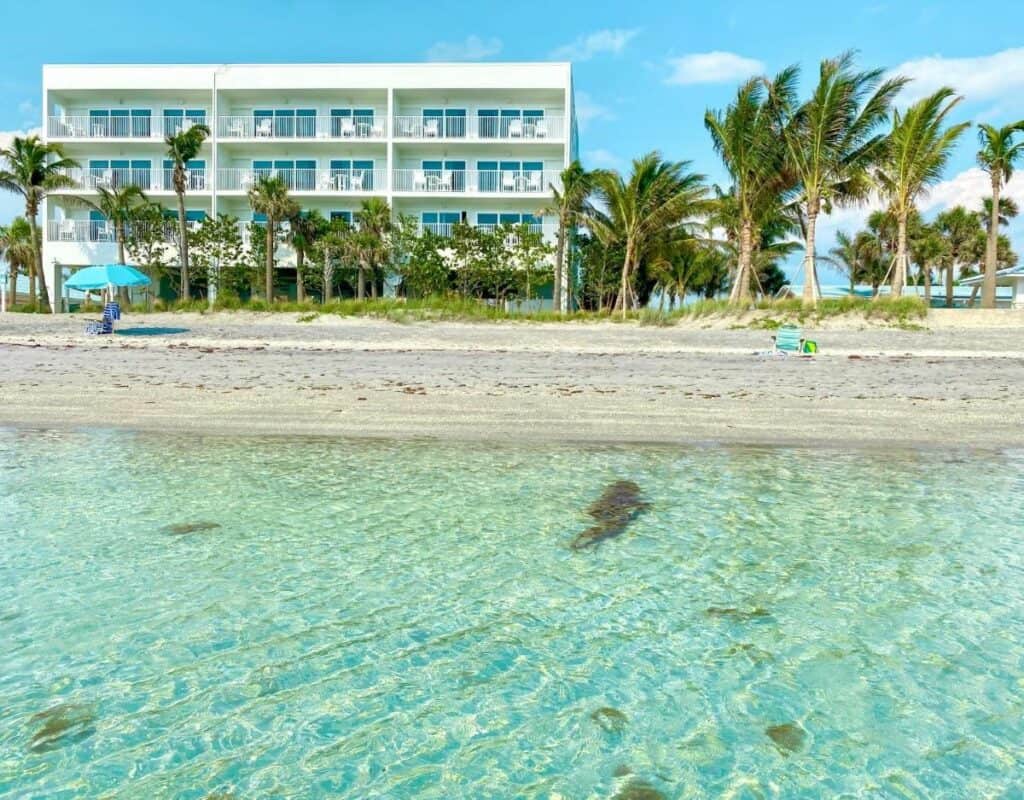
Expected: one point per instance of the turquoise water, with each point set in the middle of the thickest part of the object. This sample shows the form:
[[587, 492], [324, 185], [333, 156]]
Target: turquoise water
[[408, 620]]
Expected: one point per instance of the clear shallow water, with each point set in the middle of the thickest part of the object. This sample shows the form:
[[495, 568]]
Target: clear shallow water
[[399, 620]]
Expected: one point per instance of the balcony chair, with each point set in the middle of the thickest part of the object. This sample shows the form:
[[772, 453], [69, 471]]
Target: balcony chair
[[356, 181], [431, 128], [377, 130], [419, 181], [540, 129], [348, 127], [535, 182], [265, 128], [105, 179], [508, 182], [66, 230], [105, 232], [246, 181], [444, 184], [515, 129], [237, 128]]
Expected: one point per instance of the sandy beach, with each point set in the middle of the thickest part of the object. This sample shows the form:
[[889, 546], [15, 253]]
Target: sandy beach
[[956, 383]]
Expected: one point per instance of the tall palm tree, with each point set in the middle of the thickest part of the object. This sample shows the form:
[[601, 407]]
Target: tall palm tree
[[373, 220], [960, 228], [17, 250], [745, 136], [307, 228], [847, 258], [658, 198], [831, 140], [998, 156], [182, 147], [918, 149], [270, 197], [569, 205], [120, 206], [33, 169], [927, 249]]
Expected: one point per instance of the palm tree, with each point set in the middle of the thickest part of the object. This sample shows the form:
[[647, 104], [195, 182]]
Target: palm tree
[[16, 249], [569, 205], [1008, 210], [333, 243], [745, 136], [916, 154], [831, 140], [998, 156], [927, 248], [659, 197], [373, 220], [847, 258], [307, 228], [182, 147], [270, 197], [961, 229], [120, 206], [32, 170]]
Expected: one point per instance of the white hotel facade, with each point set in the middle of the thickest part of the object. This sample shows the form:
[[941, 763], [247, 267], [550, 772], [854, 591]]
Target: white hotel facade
[[443, 143]]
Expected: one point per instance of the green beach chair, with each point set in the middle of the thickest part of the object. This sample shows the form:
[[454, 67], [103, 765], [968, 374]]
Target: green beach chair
[[790, 339]]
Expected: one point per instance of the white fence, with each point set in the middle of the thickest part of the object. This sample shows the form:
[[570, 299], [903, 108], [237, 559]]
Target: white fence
[[476, 127], [254, 126], [475, 181], [330, 181], [146, 178], [129, 127]]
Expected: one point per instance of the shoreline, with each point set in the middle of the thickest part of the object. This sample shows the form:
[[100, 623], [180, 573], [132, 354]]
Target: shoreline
[[949, 388]]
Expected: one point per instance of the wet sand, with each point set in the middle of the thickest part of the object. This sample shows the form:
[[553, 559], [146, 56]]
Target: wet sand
[[958, 383]]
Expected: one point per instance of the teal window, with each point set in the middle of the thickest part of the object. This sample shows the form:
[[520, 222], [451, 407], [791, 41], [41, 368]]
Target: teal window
[[141, 173], [366, 168], [507, 116], [120, 122], [337, 115], [259, 218], [305, 122], [509, 219], [455, 122], [175, 119], [284, 122], [99, 122], [141, 122], [263, 122], [486, 219], [487, 123], [305, 175], [488, 175], [97, 225], [345, 215], [262, 169]]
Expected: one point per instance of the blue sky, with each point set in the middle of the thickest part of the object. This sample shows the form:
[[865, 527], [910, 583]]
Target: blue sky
[[645, 71]]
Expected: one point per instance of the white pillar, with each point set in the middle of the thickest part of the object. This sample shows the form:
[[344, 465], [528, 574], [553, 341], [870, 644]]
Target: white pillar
[[1018, 293]]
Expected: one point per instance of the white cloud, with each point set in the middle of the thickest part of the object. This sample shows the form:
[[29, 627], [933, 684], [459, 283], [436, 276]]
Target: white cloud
[[715, 67], [602, 158], [473, 48], [587, 110], [7, 136], [584, 48], [979, 78], [968, 189]]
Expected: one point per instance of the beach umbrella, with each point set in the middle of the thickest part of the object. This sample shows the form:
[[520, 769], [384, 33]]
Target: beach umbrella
[[106, 276]]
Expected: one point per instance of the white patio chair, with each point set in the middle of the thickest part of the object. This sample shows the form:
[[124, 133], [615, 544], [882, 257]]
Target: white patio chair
[[105, 232], [445, 182], [419, 181], [237, 128], [515, 128], [265, 128], [67, 230], [431, 128], [535, 181], [348, 127], [105, 178], [540, 128], [246, 181], [508, 181], [197, 180], [378, 130], [325, 183], [357, 181]]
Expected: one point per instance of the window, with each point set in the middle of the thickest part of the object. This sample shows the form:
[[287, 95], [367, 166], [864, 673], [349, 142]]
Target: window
[[440, 223], [343, 171], [98, 228], [361, 121], [345, 215], [487, 123], [120, 122], [305, 122], [196, 174], [444, 176], [287, 122], [178, 119]]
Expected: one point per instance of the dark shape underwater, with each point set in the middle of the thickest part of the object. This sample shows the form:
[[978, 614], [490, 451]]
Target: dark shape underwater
[[61, 725], [617, 506], [183, 528]]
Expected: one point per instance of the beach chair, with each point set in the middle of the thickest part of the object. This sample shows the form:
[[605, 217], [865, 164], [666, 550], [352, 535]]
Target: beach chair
[[789, 339], [515, 129], [265, 129], [106, 325]]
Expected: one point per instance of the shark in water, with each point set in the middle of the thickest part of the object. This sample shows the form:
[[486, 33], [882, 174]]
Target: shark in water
[[618, 505]]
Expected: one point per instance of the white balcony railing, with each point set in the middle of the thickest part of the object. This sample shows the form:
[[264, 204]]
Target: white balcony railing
[[76, 230], [446, 229], [146, 178], [330, 181], [118, 127], [480, 128], [475, 181], [253, 127]]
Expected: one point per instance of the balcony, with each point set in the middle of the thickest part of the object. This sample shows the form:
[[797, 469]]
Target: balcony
[[76, 230], [446, 229], [147, 179], [290, 128], [313, 181], [485, 129], [118, 127], [420, 181]]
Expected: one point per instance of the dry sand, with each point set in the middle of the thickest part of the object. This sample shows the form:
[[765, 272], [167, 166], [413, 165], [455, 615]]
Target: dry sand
[[959, 383]]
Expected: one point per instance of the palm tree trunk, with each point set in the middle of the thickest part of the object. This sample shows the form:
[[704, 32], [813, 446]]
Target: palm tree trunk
[[13, 294], [361, 283], [927, 285], [949, 283], [988, 284], [119, 233], [627, 267], [268, 279], [556, 295], [300, 287], [37, 254], [328, 277], [740, 293], [183, 235], [373, 284], [32, 288], [899, 273], [810, 267]]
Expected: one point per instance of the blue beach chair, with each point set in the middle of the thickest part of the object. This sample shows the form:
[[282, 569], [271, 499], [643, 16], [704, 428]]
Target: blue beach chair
[[105, 325], [790, 339]]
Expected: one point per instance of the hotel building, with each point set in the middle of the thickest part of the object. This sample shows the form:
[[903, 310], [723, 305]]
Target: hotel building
[[443, 143]]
